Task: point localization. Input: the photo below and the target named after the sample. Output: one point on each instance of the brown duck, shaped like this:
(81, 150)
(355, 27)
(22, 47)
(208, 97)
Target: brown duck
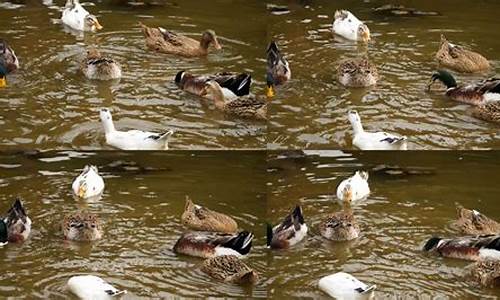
(485, 273)
(201, 218)
(475, 223)
(460, 59)
(165, 41)
(229, 268)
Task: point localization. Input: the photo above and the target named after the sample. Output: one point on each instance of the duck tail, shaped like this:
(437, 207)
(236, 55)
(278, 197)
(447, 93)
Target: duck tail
(189, 206)
(241, 243)
(297, 215)
(249, 277)
(369, 289)
(273, 54)
(16, 212)
(239, 85)
(269, 234)
(494, 244)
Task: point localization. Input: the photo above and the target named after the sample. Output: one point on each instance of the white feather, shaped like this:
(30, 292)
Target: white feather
(91, 180)
(348, 27)
(344, 286)
(226, 251)
(358, 185)
(489, 254)
(132, 139)
(89, 287)
(75, 17)
(299, 235)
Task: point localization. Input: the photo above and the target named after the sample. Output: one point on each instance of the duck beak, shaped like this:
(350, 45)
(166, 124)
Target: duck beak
(81, 191)
(97, 25)
(217, 46)
(366, 36)
(3, 82)
(269, 91)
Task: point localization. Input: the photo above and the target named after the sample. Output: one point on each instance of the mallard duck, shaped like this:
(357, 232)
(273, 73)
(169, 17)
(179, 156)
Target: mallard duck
(200, 218)
(248, 107)
(459, 59)
(90, 287)
(488, 112)
(468, 247)
(8, 59)
(17, 222)
(89, 183)
(478, 93)
(209, 244)
(475, 223)
(161, 40)
(78, 18)
(346, 287)
(95, 66)
(373, 140)
(233, 85)
(348, 26)
(340, 226)
(353, 188)
(132, 139)
(277, 67)
(81, 226)
(357, 72)
(485, 273)
(289, 232)
(229, 268)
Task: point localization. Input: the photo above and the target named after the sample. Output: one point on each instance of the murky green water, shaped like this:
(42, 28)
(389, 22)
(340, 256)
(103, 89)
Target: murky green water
(141, 209)
(310, 112)
(401, 213)
(49, 104)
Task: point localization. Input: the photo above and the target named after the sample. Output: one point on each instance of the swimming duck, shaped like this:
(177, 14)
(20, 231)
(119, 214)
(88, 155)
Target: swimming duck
(348, 26)
(96, 66)
(357, 72)
(90, 287)
(346, 287)
(353, 188)
(210, 244)
(233, 85)
(248, 107)
(373, 140)
(340, 226)
(459, 59)
(162, 40)
(78, 18)
(229, 268)
(277, 67)
(485, 273)
(200, 218)
(17, 222)
(89, 183)
(132, 139)
(488, 112)
(468, 247)
(475, 223)
(478, 93)
(82, 226)
(8, 59)
(289, 232)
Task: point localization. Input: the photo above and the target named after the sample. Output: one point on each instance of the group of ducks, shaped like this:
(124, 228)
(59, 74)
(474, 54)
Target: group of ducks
(229, 92)
(360, 72)
(213, 236)
(481, 242)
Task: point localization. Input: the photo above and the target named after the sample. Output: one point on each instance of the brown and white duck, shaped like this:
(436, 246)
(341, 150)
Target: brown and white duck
(201, 218)
(468, 247)
(16, 225)
(340, 226)
(289, 232)
(229, 268)
(210, 244)
(233, 85)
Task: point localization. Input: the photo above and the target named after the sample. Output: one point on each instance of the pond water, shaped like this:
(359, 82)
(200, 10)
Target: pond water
(311, 111)
(141, 208)
(400, 214)
(49, 104)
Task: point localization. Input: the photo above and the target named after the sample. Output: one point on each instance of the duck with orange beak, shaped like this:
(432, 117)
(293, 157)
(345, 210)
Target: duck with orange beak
(349, 27)
(78, 18)
(353, 188)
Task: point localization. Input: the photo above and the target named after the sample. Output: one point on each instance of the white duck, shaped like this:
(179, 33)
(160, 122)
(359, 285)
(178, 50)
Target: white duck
(348, 26)
(353, 188)
(346, 287)
(89, 183)
(374, 140)
(90, 287)
(132, 139)
(78, 18)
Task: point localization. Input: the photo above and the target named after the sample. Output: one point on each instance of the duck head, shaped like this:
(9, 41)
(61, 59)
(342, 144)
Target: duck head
(84, 227)
(107, 120)
(364, 33)
(347, 193)
(444, 77)
(355, 121)
(93, 53)
(91, 23)
(209, 37)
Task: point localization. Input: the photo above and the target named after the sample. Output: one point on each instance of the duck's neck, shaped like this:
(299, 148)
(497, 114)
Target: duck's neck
(204, 43)
(218, 96)
(357, 127)
(109, 127)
